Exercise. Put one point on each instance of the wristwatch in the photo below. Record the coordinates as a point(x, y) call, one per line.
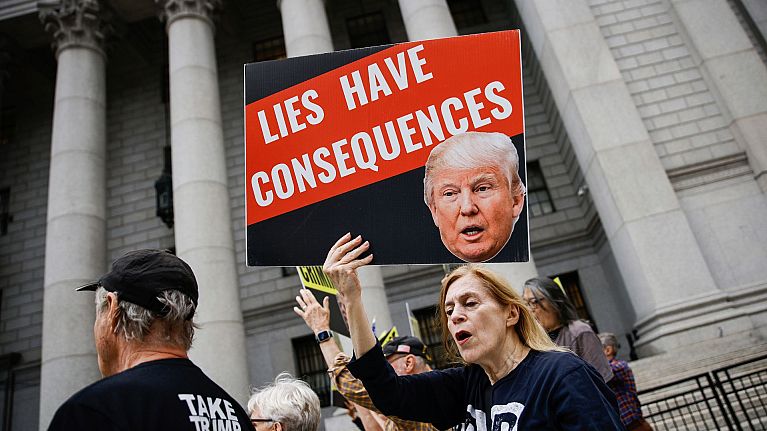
point(323, 336)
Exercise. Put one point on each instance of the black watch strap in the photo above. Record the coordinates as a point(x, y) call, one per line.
point(323, 336)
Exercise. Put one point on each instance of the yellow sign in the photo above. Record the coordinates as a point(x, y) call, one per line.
point(559, 283)
point(312, 277)
point(388, 336)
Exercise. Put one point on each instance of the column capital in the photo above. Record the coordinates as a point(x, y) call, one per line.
point(173, 9)
point(82, 23)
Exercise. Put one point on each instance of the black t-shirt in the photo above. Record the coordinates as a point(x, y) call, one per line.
point(546, 391)
point(168, 394)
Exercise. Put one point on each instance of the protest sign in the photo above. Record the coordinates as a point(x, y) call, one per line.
point(321, 286)
point(338, 142)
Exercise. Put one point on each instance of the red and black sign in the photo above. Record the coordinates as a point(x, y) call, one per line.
point(337, 143)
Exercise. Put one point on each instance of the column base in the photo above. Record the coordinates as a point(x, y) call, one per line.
point(740, 313)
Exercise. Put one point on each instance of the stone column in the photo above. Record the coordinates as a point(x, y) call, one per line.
point(734, 69)
point(305, 27)
point(374, 297)
point(671, 288)
point(203, 221)
point(516, 273)
point(427, 19)
point(75, 243)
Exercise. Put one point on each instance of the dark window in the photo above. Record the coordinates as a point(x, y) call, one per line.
point(311, 366)
point(538, 197)
point(467, 13)
point(367, 30)
point(19, 393)
point(571, 284)
point(269, 49)
point(431, 335)
point(5, 205)
point(7, 123)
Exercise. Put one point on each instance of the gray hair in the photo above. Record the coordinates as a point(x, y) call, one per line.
point(472, 149)
point(288, 401)
point(609, 339)
point(555, 296)
point(135, 321)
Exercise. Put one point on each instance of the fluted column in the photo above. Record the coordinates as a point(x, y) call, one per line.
point(427, 19)
point(203, 222)
point(305, 27)
point(75, 246)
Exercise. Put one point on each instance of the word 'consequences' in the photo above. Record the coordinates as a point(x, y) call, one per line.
point(383, 143)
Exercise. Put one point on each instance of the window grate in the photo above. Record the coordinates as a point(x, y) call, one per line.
point(431, 335)
point(367, 30)
point(311, 367)
point(269, 49)
point(467, 13)
point(538, 196)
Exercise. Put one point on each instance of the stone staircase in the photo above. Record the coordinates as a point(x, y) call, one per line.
point(694, 359)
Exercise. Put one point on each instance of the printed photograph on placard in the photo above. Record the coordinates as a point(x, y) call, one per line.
point(419, 147)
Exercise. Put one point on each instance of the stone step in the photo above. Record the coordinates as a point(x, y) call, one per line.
point(694, 359)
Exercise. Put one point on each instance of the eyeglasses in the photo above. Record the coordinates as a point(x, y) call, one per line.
point(534, 303)
point(258, 420)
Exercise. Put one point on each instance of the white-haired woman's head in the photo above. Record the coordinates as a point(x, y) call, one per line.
point(287, 404)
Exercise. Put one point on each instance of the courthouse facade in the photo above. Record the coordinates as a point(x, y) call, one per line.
point(646, 128)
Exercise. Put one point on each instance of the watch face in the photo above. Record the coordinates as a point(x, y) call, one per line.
point(324, 335)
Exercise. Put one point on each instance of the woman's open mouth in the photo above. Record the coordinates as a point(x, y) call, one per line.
point(461, 337)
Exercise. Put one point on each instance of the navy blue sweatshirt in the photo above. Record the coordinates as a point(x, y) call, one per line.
point(546, 391)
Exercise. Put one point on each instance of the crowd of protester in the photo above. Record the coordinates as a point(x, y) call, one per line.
point(525, 362)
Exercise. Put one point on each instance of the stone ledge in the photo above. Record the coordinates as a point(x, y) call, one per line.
point(708, 172)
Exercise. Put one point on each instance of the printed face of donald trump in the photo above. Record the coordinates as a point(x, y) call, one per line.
point(474, 193)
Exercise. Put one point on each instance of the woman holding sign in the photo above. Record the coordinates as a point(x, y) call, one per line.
point(514, 377)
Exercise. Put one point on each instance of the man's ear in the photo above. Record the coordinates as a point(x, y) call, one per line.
point(112, 310)
point(517, 202)
point(277, 426)
point(512, 318)
point(433, 210)
point(410, 362)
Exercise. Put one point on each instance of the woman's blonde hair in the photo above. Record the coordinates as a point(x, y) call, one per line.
point(529, 331)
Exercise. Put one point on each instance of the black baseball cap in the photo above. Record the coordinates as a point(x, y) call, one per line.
point(406, 345)
point(141, 275)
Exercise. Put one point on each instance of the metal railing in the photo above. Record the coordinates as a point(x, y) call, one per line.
point(728, 398)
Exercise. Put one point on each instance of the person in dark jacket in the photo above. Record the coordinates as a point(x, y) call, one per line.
point(514, 378)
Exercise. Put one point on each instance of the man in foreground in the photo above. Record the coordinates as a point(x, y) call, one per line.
point(143, 331)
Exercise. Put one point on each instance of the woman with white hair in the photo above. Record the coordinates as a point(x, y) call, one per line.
point(288, 404)
point(515, 378)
